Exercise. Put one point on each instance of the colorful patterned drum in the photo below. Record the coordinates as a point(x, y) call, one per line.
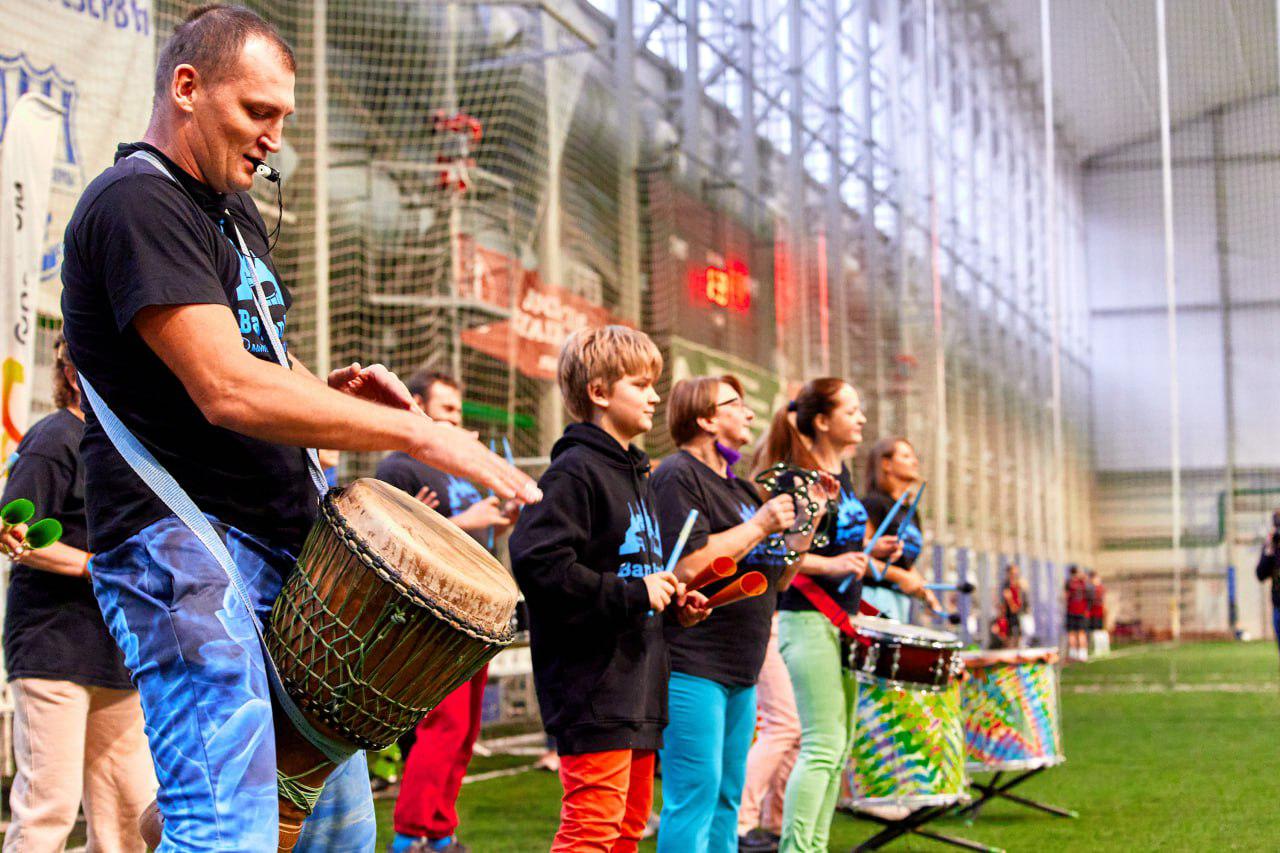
point(1011, 716)
point(908, 747)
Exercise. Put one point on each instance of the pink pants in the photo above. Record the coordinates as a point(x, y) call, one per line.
point(777, 744)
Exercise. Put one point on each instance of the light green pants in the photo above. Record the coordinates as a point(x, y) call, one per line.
point(826, 694)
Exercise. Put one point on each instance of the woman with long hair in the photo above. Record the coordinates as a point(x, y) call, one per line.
point(817, 431)
point(892, 469)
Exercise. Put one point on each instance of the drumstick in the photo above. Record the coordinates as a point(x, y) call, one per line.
point(489, 538)
point(720, 567)
point(681, 540)
point(911, 511)
point(965, 588)
point(749, 585)
point(884, 525)
point(678, 548)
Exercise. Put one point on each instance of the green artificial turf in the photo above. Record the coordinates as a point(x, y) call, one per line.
point(1148, 768)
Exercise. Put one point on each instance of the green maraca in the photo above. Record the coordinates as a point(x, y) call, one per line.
point(42, 534)
point(15, 513)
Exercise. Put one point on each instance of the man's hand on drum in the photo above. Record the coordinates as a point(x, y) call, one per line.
point(373, 383)
point(692, 606)
point(483, 514)
point(459, 452)
point(662, 587)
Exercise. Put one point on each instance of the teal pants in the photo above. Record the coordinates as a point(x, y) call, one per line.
point(704, 764)
point(826, 695)
point(891, 603)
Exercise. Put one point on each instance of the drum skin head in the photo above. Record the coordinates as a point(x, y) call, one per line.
point(910, 635)
point(431, 554)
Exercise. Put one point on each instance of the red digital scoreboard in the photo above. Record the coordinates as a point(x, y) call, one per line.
point(728, 286)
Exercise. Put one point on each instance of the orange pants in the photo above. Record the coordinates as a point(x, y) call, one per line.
point(607, 800)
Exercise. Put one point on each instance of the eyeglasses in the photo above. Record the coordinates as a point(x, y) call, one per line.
point(736, 402)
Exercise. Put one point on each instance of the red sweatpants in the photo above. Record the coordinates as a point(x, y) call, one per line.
point(607, 800)
point(428, 802)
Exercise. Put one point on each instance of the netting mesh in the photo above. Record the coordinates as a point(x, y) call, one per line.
point(779, 192)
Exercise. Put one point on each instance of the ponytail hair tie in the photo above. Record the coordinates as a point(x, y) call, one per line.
point(793, 406)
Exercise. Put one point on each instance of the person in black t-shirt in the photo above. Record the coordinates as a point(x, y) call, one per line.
point(892, 468)
point(1268, 569)
point(176, 318)
point(426, 811)
point(714, 665)
point(78, 728)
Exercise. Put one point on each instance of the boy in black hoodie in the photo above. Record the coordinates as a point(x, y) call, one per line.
point(589, 561)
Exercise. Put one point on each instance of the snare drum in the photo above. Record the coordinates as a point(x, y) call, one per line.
point(908, 747)
point(905, 654)
point(1011, 712)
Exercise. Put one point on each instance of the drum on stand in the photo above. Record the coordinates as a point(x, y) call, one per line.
point(908, 743)
point(1012, 719)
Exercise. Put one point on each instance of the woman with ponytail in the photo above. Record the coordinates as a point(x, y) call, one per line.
point(817, 431)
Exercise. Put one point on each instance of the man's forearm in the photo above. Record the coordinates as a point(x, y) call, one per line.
point(294, 407)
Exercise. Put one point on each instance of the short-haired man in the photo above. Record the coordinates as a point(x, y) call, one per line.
point(174, 315)
point(426, 814)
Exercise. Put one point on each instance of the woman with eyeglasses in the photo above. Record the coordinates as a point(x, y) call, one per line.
point(714, 664)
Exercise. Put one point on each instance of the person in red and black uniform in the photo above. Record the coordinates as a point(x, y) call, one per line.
point(1077, 591)
point(426, 814)
point(1012, 606)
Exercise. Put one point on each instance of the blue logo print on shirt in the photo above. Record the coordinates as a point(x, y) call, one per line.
point(251, 332)
point(912, 542)
point(851, 521)
point(462, 494)
point(640, 543)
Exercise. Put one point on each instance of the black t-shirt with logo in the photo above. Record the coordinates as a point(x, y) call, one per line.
point(844, 529)
point(878, 504)
point(411, 475)
point(53, 628)
point(729, 646)
point(139, 239)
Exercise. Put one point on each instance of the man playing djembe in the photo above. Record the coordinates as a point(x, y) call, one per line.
point(174, 315)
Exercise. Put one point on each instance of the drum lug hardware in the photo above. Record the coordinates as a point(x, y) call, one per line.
point(893, 667)
point(872, 658)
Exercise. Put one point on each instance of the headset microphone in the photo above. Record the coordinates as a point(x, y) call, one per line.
point(262, 170)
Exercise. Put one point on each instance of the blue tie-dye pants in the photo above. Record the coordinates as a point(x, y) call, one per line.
point(198, 666)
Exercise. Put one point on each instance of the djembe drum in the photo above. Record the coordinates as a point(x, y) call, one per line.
point(389, 609)
point(908, 744)
point(1010, 704)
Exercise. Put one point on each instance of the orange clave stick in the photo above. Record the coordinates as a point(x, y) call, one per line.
point(717, 569)
point(750, 584)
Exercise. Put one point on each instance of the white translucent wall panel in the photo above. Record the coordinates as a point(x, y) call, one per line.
point(1131, 391)
point(1257, 361)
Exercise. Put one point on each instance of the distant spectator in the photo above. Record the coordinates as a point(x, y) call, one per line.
point(1077, 592)
point(1269, 569)
point(1013, 603)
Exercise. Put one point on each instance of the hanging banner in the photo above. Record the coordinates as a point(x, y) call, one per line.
point(97, 62)
point(92, 64)
point(26, 174)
